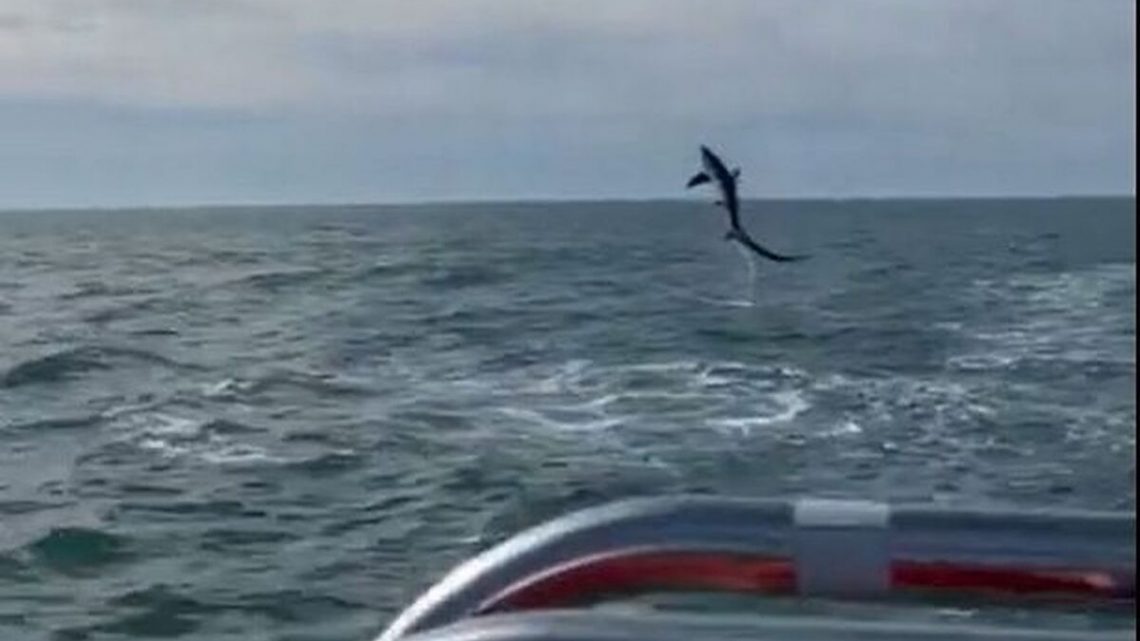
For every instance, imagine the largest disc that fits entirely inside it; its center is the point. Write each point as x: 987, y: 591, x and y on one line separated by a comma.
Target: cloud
x: 676, y: 56
x: 863, y: 96
x: 152, y: 53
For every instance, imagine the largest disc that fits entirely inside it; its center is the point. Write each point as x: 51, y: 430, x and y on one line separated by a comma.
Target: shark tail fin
x: 698, y: 179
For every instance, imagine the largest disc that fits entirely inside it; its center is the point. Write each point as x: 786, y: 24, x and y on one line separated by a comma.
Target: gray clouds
x: 591, y: 98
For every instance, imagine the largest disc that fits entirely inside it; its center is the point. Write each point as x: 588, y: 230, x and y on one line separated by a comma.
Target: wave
x: 100, y: 289
x: 562, y: 420
x: 846, y: 427
x: 659, y: 408
x: 18, y: 507
x: 687, y: 294
x: 217, y: 441
x: 57, y: 423
x: 126, y: 311
x: 70, y: 363
x: 155, y: 331
x: 283, y: 605
x: 78, y: 550
x: 784, y: 407
x: 389, y: 268
x: 727, y: 302
x: 277, y: 280
x: 320, y: 383
x: 461, y: 277
x: 239, y: 454
x: 1083, y: 317
x: 236, y: 540
x: 53, y: 367
x: 586, y: 397
x: 155, y: 611
x: 901, y: 398
x: 329, y: 463
x: 185, y: 429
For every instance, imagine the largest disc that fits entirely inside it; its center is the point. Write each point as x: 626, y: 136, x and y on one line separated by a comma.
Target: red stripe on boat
x: 975, y: 578
x: 600, y: 576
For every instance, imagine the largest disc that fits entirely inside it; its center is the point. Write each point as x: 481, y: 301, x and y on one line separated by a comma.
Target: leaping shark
x: 716, y: 171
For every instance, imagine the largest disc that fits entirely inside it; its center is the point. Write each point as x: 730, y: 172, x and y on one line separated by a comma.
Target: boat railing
x: 804, y: 547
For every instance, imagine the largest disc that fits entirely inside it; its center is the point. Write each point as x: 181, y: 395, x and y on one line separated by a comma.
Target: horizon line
x: 538, y: 200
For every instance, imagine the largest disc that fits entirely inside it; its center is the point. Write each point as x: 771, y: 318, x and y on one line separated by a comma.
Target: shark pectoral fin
x: 736, y: 172
x: 698, y: 179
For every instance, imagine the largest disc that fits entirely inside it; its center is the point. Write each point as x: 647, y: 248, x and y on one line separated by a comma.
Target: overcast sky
x: 136, y: 102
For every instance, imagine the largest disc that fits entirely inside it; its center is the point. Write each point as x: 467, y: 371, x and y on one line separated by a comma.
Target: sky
x: 107, y: 103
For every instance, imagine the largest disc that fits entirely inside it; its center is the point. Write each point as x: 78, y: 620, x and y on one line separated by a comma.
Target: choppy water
x: 284, y: 423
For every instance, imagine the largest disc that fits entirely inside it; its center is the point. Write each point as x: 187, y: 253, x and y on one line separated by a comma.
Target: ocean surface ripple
x: 283, y: 423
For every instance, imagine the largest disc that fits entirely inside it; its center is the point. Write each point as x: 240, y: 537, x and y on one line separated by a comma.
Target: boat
x: 553, y: 581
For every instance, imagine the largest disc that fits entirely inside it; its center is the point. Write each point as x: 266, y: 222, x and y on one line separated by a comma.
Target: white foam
x: 567, y: 377
x: 726, y: 302
x: 583, y: 378
x: 662, y: 395
x: 116, y: 412
x: 587, y: 424
x: 227, y: 388
x: 936, y: 407
x: 160, y: 425
x: 707, y: 379
x: 667, y: 367
x: 172, y: 436
x: 844, y: 428
x: 1069, y: 317
x: 980, y: 362
x: 164, y: 448
x: 581, y: 396
x: 791, y: 404
x: 238, y: 454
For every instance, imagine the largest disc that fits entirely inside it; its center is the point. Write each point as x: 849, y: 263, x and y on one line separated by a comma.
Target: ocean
x: 285, y: 422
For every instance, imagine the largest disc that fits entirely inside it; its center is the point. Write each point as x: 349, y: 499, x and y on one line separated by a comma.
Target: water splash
x: 749, y: 260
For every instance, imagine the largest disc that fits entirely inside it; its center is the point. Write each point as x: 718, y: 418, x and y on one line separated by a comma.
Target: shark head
x: 708, y: 158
